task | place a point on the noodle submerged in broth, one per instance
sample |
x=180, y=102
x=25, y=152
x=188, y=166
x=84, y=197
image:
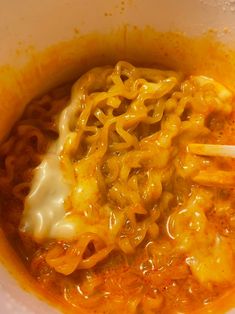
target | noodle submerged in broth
x=121, y=197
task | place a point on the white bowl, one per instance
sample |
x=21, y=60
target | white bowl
x=27, y=27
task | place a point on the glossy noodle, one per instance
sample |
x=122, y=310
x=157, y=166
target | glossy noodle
x=121, y=196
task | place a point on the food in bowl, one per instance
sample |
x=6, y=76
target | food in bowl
x=120, y=197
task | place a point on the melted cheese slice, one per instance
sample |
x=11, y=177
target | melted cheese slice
x=49, y=215
x=44, y=206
